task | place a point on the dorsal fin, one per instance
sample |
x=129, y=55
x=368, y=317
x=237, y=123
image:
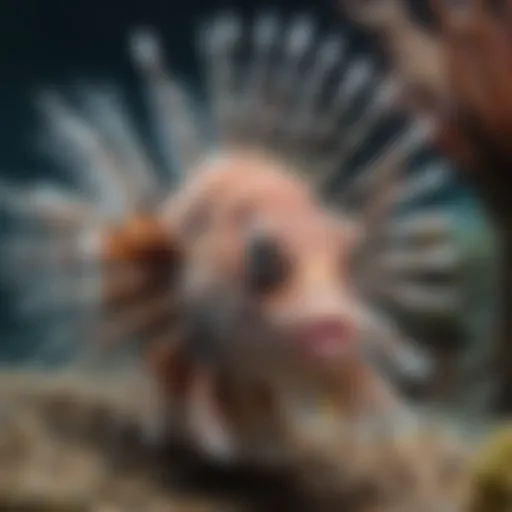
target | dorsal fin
x=174, y=119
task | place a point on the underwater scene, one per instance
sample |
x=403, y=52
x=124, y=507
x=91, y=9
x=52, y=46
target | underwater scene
x=256, y=255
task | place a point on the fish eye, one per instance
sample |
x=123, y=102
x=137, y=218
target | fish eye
x=266, y=267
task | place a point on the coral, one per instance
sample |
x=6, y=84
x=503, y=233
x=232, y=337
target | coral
x=491, y=481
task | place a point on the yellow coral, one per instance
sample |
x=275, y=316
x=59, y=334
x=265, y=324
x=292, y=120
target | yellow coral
x=491, y=483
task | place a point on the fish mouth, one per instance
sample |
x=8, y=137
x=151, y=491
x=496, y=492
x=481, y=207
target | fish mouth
x=326, y=338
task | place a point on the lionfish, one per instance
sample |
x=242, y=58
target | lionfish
x=272, y=251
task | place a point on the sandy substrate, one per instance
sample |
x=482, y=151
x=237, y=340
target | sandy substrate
x=71, y=443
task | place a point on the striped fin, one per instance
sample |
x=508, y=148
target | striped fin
x=67, y=250
x=413, y=139
x=72, y=286
x=48, y=301
x=72, y=290
x=92, y=162
x=298, y=41
x=358, y=76
x=439, y=259
x=258, y=74
x=421, y=228
x=427, y=181
x=174, y=119
x=275, y=100
x=430, y=300
x=105, y=108
x=356, y=134
x=304, y=118
x=46, y=204
x=390, y=350
x=417, y=267
x=218, y=43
